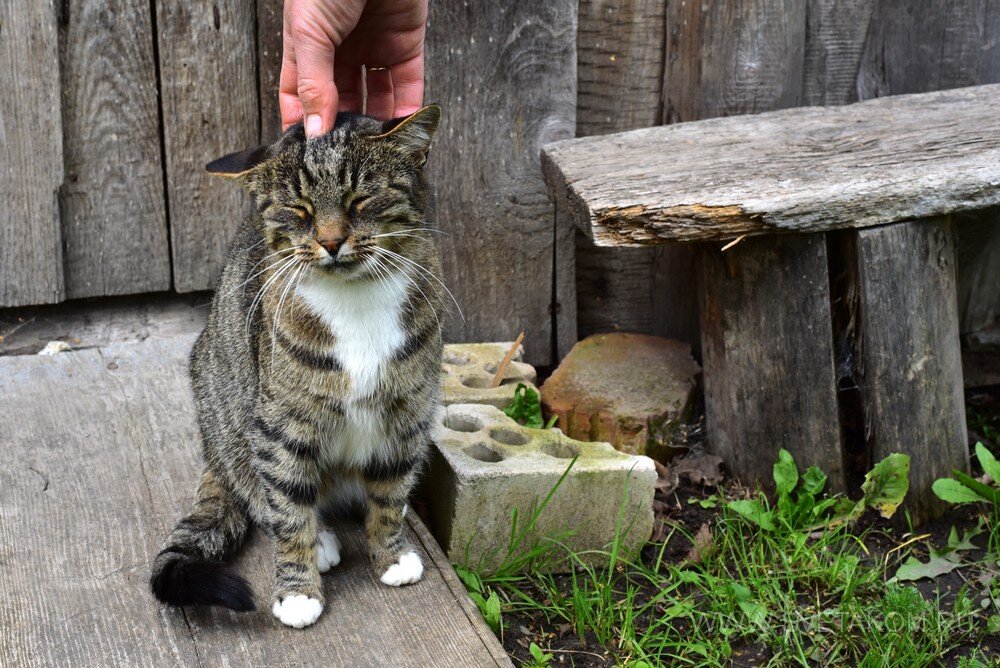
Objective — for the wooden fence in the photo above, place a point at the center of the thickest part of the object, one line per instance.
(106, 126)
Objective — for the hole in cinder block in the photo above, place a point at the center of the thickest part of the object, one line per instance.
(560, 450)
(483, 453)
(462, 423)
(458, 359)
(508, 436)
(477, 382)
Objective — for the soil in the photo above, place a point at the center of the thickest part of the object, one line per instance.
(673, 510)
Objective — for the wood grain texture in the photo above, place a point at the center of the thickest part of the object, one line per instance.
(835, 41)
(505, 75)
(620, 60)
(566, 301)
(31, 159)
(732, 57)
(799, 170)
(914, 47)
(114, 221)
(86, 502)
(767, 356)
(269, 67)
(911, 358)
(208, 80)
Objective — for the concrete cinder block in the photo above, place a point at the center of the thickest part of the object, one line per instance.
(631, 390)
(485, 464)
(469, 368)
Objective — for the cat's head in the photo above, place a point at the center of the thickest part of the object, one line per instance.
(352, 202)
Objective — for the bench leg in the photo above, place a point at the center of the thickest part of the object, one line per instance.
(908, 340)
(768, 355)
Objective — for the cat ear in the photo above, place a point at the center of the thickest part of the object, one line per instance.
(237, 165)
(413, 133)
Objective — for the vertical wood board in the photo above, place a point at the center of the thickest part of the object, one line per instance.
(732, 57)
(978, 269)
(209, 89)
(916, 47)
(835, 41)
(269, 27)
(505, 76)
(31, 159)
(114, 223)
(911, 357)
(767, 356)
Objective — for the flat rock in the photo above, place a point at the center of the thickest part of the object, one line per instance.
(631, 390)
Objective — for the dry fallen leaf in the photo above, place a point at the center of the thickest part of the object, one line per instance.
(702, 545)
(704, 470)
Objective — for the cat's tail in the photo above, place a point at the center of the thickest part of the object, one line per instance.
(189, 569)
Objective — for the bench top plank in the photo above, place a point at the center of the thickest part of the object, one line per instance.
(799, 170)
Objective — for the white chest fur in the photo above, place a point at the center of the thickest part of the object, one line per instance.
(364, 316)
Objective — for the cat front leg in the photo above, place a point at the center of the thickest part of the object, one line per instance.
(387, 488)
(290, 481)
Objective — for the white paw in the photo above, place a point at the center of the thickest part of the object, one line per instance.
(327, 551)
(407, 570)
(297, 610)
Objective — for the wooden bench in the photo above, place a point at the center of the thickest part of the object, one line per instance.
(830, 328)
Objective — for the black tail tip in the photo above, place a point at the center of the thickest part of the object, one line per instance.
(182, 580)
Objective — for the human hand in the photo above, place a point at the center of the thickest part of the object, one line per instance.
(326, 42)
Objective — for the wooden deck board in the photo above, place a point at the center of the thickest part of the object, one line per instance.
(100, 451)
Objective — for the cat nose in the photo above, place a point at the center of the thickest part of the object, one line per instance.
(332, 245)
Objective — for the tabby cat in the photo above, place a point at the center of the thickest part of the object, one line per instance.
(318, 373)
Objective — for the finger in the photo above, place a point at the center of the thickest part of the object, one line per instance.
(379, 102)
(288, 85)
(314, 58)
(408, 86)
(348, 78)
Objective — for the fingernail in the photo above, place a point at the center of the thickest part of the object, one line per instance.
(314, 125)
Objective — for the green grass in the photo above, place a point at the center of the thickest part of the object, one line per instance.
(800, 596)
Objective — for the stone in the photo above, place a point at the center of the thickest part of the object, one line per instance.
(469, 368)
(484, 465)
(631, 390)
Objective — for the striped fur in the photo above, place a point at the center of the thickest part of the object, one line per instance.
(319, 369)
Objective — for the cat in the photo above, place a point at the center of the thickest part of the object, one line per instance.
(318, 373)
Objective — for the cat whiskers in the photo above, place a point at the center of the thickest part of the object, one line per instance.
(381, 268)
(270, 266)
(292, 279)
(423, 269)
(287, 263)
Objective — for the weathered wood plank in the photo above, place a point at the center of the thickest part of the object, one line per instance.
(732, 57)
(114, 224)
(269, 58)
(505, 75)
(31, 159)
(835, 42)
(102, 474)
(798, 170)
(209, 89)
(910, 353)
(767, 356)
(930, 45)
(565, 298)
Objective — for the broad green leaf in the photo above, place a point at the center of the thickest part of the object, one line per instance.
(989, 494)
(813, 481)
(526, 408)
(952, 491)
(753, 511)
(469, 579)
(988, 462)
(886, 484)
(786, 476)
(914, 569)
